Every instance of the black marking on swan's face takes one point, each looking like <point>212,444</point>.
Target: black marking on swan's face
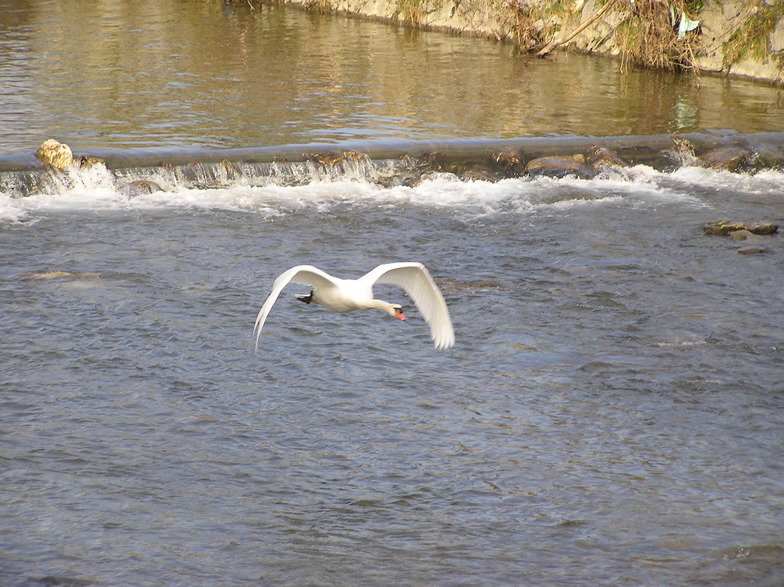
<point>399,312</point>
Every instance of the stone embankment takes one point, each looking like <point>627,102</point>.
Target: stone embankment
<point>734,37</point>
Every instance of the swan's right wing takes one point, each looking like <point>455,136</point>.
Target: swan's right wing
<point>415,279</point>
<point>305,274</point>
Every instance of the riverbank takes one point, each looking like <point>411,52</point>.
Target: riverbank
<point>733,37</point>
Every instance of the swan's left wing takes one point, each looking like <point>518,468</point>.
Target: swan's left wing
<point>415,279</point>
<point>305,274</point>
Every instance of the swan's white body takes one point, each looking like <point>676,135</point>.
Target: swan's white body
<point>347,295</point>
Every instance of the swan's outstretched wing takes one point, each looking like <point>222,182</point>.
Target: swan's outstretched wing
<point>415,279</point>
<point>305,274</point>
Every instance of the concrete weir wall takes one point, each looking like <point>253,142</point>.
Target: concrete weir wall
<point>735,37</point>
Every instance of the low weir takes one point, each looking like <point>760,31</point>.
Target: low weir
<point>388,163</point>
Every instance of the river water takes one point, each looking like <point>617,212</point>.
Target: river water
<point>612,412</point>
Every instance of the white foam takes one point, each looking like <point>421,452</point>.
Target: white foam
<point>11,210</point>
<point>765,182</point>
<point>636,186</point>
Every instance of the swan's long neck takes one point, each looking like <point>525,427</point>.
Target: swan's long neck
<point>393,310</point>
<point>381,305</point>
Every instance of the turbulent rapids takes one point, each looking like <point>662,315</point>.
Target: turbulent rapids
<point>398,163</point>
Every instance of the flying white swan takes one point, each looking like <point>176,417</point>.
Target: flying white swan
<point>347,295</point>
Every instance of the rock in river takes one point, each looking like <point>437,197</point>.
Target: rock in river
<point>725,227</point>
<point>560,166</point>
<point>729,158</point>
<point>56,154</point>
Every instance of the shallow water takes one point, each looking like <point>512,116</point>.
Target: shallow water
<point>611,413</point>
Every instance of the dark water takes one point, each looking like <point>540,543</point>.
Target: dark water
<point>612,412</point>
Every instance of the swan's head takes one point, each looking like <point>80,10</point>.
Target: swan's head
<point>396,310</point>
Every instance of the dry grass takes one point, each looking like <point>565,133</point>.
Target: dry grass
<point>648,38</point>
<point>412,11</point>
<point>533,25</point>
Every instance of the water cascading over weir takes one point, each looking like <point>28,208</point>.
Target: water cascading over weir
<point>135,172</point>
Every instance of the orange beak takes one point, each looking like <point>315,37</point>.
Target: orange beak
<point>400,315</point>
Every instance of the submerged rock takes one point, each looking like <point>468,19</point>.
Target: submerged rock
<point>601,157</point>
<point>722,227</point>
<point>751,250</point>
<point>335,159</point>
<point>598,160</point>
<point>683,151</point>
<point>509,160</point>
<point>140,188</point>
<point>740,235</point>
<point>229,167</point>
<point>725,227</point>
<point>728,158</point>
<point>326,159</point>
<point>764,228</point>
<point>482,175</point>
<point>749,234</point>
<point>56,154</point>
<point>354,156</point>
<point>87,162</point>
<point>49,275</point>
<point>769,156</point>
<point>560,166</point>
<point>64,581</point>
<point>434,160</point>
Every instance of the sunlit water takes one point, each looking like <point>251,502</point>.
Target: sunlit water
<point>176,74</point>
<point>612,412</point>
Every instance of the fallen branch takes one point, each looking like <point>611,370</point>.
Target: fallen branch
<point>556,42</point>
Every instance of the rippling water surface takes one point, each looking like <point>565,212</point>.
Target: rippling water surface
<point>612,412</point>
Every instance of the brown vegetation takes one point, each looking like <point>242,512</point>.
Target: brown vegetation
<point>646,33</point>
<point>649,35</point>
